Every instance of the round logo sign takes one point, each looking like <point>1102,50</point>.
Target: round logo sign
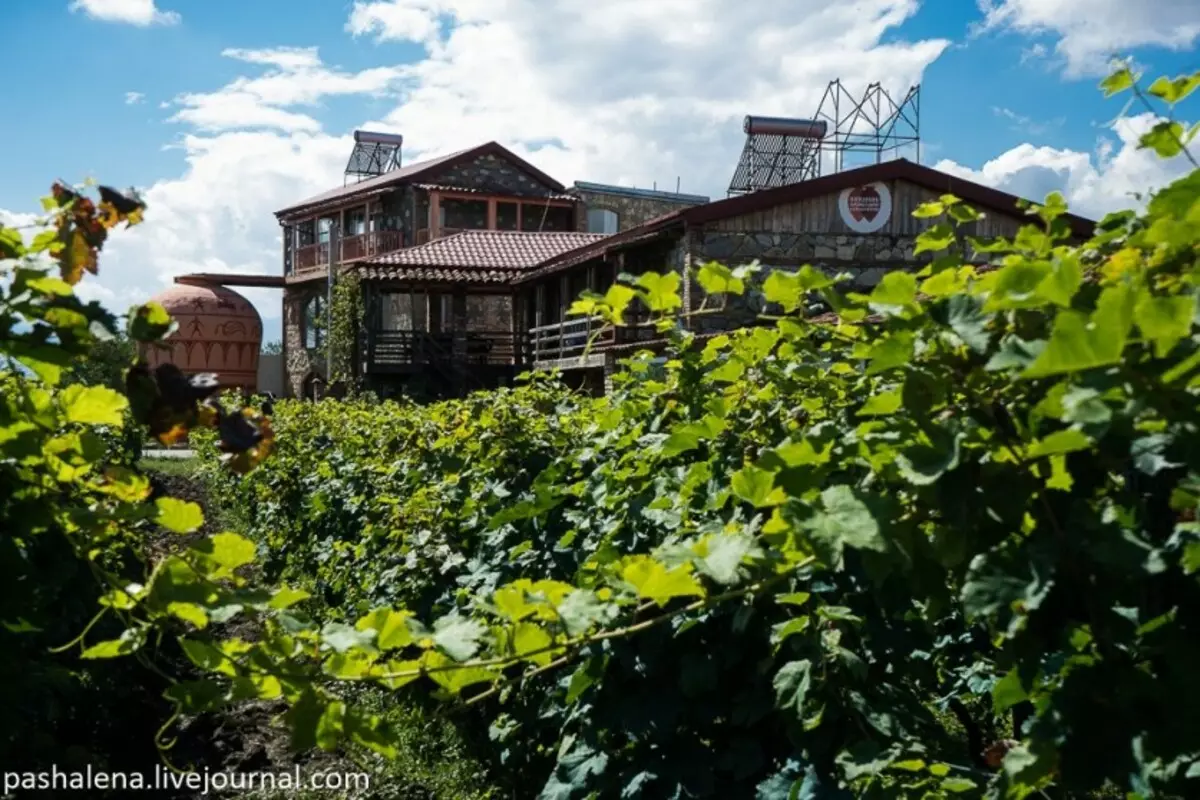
<point>866,209</point>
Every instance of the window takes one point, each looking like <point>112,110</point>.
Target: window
<point>506,216</point>
<point>314,322</point>
<point>602,220</point>
<point>356,222</point>
<point>323,226</point>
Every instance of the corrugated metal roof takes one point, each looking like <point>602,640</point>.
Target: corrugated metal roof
<point>418,169</point>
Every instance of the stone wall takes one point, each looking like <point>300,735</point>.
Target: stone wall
<point>867,258</point>
<point>492,174</point>
<point>297,363</point>
<point>631,209</point>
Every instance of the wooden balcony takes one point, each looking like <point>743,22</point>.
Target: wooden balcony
<point>568,339</point>
<point>312,257</point>
<point>315,257</point>
<point>392,350</point>
<point>367,245</point>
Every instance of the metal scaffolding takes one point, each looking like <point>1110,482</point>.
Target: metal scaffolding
<point>780,151</point>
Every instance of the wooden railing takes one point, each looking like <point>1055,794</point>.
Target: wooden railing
<point>568,338</point>
<point>403,348</point>
<point>312,256</point>
<point>364,245</point>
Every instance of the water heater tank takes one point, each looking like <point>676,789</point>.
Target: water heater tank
<point>786,126</point>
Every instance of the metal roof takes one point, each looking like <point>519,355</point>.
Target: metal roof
<point>417,170</point>
<point>649,194</point>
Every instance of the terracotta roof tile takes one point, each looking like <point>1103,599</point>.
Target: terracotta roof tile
<point>438,274</point>
<point>474,256</point>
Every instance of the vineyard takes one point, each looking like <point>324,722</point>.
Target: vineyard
<point>938,540</point>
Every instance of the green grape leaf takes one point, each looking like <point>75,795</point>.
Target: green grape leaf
<point>179,516</point>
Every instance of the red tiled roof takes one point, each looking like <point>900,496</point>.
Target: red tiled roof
<point>419,169</point>
<point>474,256</point>
<point>438,274</point>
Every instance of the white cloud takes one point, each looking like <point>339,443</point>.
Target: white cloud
<point>625,91</point>
<point>1093,183</point>
<point>298,78</point>
<point>1027,125</point>
<point>629,92</point>
<point>134,12</point>
<point>133,98</point>
<point>1089,32</point>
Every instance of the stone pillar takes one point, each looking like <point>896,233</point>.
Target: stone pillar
<point>296,360</point>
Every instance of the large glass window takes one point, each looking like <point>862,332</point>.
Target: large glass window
<point>458,214</point>
<point>314,322</point>
<point>506,216</point>
<point>602,220</point>
<point>356,222</point>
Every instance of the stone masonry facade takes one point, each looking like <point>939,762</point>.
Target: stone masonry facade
<point>490,173</point>
<point>297,362</point>
<point>867,258</point>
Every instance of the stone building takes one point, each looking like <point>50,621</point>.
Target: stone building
<point>857,221</point>
<point>436,244</point>
<point>468,263</point>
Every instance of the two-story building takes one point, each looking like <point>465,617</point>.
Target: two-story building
<point>437,245</point>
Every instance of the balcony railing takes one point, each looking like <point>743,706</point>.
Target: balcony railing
<point>568,338</point>
<point>312,256</point>
<point>364,245</point>
<point>404,348</point>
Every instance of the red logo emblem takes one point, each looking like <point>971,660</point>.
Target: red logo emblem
<point>864,203</point>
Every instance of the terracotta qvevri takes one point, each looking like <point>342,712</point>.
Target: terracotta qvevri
<point>219,331</point>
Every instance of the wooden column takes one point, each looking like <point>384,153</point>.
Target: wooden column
<point>491,214</point>
<point>435,215</point>
<point>517,306</point>
<point>435,313</point>
<point>539,314</point>
<point>458,325</point>
<point>564,302</point>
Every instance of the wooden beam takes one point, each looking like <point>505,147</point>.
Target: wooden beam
<point>435,215</point>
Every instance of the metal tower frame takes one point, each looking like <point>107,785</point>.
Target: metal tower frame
<point>781,151</point>
<point>873,123</point>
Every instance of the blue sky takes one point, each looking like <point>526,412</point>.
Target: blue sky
<point>233,117</point>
